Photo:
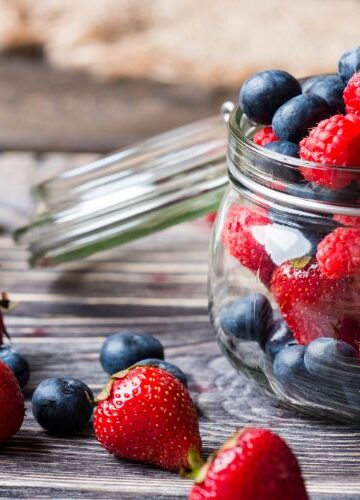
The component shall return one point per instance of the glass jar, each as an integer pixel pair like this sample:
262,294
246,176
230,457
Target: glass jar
284,312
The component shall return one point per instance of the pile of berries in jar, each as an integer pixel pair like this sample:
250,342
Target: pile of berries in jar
301,140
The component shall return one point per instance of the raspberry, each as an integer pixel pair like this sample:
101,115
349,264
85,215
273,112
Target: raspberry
338,254
264,136
352,95
314,305
334,141
347,220
241,244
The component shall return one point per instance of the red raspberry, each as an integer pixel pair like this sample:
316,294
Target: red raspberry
315,306
334,141
348,220
240,243
338,254
352,95
264,136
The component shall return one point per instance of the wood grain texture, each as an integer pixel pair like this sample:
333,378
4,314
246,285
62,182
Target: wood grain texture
157,285
43,109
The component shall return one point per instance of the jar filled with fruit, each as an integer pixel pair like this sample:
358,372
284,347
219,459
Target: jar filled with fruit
284,285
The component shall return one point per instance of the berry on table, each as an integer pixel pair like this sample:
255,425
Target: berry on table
12,408
331,89
165,365
334,141
254,464
293,120
62,405
286,148
121,350
352,95
349,63
17,363
338,253
264,136
265,91
239,241
146,415
248,318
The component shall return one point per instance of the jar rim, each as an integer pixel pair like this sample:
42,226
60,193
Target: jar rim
256,170
237,116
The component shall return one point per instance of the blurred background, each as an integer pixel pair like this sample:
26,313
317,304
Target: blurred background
90,76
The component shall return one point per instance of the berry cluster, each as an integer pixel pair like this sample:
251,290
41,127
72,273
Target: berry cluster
146,414
310,265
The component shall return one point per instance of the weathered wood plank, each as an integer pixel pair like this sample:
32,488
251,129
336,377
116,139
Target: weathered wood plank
44,109
63,338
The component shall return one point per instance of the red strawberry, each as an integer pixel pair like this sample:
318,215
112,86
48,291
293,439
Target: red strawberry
238,239
254,464
12,407
147,415
314,305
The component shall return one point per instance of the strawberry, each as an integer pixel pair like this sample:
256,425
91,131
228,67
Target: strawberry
146,415
12,407
314,305
254,464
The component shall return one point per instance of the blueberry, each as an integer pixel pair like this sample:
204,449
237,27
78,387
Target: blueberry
249,318
307,83
121,350
286,148
331,89
281,336
275,167
289,367
17,363
313,191
264,92
293,119
168,367
349,64
62,405
330,358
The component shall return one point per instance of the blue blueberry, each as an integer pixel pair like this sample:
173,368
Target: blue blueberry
275,167
349,64
249,318
313,191
264,92
329,357
289,367
121,350
293,119
62,405
280,337
307,83
286,148
168,367
17,363
331,89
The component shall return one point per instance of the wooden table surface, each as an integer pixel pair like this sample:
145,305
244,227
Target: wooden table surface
156,285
